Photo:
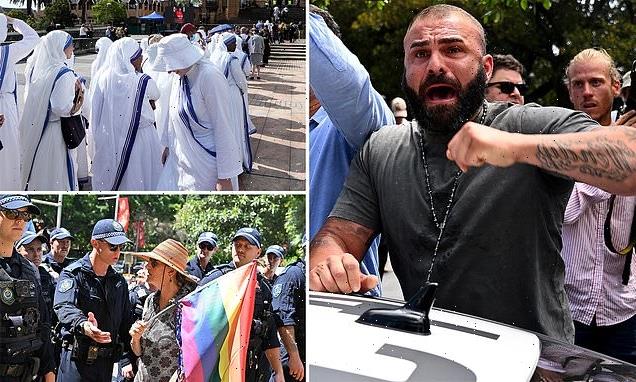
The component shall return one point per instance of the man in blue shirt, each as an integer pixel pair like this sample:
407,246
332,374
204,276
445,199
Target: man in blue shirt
344,110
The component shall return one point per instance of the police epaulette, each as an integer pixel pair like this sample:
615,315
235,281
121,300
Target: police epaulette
74,267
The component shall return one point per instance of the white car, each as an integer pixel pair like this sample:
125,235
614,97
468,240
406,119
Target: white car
459,347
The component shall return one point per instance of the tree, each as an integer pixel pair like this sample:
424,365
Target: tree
58,12
109,12
543,35
279,218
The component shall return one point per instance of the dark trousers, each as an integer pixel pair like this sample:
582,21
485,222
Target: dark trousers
618,341
71,371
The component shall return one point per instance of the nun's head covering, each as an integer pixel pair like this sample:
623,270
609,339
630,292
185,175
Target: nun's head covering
176,52
3,27
121,55
229,38
47,55
101,46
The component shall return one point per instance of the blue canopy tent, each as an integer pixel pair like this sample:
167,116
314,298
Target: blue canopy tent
154,16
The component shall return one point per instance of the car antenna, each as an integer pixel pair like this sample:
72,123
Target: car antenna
412,317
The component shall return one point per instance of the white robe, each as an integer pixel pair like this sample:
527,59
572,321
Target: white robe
238,109
197,169
52,165
9,133
125,159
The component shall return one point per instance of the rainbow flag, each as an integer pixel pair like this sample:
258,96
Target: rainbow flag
215,325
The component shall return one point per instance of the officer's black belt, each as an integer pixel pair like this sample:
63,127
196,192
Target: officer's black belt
12,370
15,332
101,352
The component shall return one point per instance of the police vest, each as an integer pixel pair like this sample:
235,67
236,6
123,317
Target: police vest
19,315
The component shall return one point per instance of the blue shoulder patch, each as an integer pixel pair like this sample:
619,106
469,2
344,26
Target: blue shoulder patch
65,285
278,288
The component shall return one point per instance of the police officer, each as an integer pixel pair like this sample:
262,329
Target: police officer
139,293
288,304
30,246
56,260
275,255
201,265
246,247
93,306
25,348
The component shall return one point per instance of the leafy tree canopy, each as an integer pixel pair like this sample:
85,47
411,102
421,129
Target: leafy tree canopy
109,12
280,219
544,35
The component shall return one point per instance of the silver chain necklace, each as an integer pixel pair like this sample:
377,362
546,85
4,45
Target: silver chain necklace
450,200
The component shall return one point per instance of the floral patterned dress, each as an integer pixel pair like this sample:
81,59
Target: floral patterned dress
160,349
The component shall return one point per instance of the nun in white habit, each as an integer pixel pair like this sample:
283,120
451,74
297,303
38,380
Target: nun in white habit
46,163
229,64
9,133
164,83
97,67
246,65
127,150
205,147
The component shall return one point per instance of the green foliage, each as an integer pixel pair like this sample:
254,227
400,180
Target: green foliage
279,218
59,12
109,12
17,13
531,30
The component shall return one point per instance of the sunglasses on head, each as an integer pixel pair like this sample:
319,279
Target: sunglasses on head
15,214
508,87
114,247
207,246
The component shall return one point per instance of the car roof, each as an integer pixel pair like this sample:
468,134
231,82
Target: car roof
459,348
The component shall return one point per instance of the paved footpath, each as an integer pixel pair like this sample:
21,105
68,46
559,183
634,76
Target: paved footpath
277,108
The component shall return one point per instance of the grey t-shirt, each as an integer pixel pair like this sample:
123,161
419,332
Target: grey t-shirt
499,257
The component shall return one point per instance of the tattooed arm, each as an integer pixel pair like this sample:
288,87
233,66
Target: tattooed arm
334,257
605,157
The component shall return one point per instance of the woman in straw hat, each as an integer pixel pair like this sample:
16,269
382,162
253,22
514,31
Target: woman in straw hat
153,338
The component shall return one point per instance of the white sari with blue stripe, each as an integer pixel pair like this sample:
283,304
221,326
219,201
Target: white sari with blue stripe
204,145
9,133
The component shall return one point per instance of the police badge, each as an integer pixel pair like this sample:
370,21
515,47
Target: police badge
7,296
117,226
277,289
65,285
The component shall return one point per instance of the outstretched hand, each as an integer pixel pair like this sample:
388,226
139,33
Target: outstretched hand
91,330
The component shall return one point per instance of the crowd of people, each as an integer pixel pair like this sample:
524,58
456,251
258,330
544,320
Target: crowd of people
477,184
81,320
155,116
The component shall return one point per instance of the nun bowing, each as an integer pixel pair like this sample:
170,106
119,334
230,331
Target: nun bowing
205,148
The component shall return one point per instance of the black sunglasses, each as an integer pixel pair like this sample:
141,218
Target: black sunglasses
15,214
508,87
114,247
209,247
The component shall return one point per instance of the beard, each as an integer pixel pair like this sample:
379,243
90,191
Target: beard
446,119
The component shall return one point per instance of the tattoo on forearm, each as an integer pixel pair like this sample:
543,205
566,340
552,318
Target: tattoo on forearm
605,158
351,237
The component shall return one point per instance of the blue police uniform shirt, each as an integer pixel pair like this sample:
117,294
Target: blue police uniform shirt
20,268
351,109
194,268
288,303
57,267
79,291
